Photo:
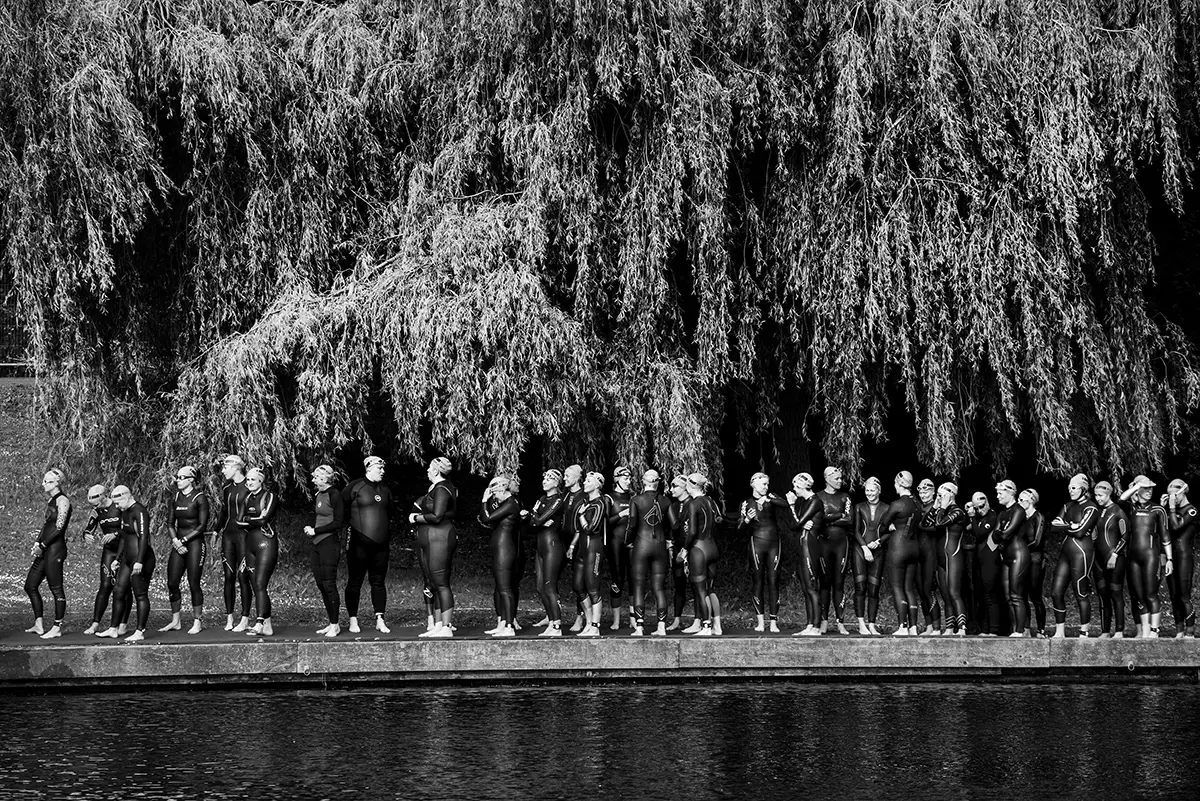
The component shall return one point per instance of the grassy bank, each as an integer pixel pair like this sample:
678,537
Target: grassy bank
22,449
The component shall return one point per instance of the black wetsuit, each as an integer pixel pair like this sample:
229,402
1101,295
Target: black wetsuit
903,557
1014,564
570,510
927,564
591,531
103,522
618,547
1112,532
1148,533
1075,558
262,546
679,581
546,521
1035,535
503,517
949,525
700,523
330,518
369,505
807,510
233,546
988,562
134,548
189,516
437,537
868,576
768,516
48,564
834,551
649,520
1182,522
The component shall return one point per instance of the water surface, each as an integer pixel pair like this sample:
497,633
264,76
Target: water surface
693,741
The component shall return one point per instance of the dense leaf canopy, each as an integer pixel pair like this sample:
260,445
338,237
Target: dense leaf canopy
598,224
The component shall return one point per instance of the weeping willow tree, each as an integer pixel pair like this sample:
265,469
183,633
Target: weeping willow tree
599,224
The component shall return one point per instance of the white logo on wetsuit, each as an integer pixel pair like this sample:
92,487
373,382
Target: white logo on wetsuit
653,516
378,499
320,504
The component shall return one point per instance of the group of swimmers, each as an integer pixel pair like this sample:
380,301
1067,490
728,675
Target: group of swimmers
985,564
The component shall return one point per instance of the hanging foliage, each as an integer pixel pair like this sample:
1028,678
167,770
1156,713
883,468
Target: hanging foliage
260,227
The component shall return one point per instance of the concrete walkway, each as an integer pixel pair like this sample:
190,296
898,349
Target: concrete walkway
298,657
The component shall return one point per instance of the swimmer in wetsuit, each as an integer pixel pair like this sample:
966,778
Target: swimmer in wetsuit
902,555
1035,536
808,518
679,497
617,549
325,534
981,519
501,512
575,497
927,554
700,522
652,552
262,546
868,557
591,532
103,528
762,514
949,523
49,553
368,503
1182,520
1077,522
133,564
437,537
1109,567
1148,537
189,521
546,522
233,541
834,548
1009,536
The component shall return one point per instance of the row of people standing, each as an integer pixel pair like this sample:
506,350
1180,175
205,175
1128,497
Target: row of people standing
120,526
985,564
982,563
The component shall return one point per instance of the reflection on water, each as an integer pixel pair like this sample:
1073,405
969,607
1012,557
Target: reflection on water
608,742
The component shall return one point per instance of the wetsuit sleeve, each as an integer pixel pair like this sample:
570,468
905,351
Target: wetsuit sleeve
141,524
950,516
612,511
506,509
589,518
1120,530
62,515
814,511
552,510
337,508
441,506
1015,521
1181,518
859,527
201,519
885,522
691,525
833,518
1039,532
266,512
1164,530
1062,515
1085,525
